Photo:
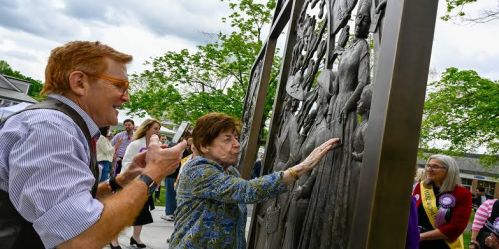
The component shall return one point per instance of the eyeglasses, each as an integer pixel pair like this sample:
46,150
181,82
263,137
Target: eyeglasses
434,166
122,84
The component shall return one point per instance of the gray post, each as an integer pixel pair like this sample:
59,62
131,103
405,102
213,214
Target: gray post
393,134
252,148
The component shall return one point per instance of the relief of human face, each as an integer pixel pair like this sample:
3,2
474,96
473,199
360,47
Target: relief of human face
364,104
362,24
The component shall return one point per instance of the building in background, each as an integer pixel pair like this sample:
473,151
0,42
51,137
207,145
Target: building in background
14,91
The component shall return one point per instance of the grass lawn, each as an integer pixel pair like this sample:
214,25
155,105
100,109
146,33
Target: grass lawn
467,234
466,238
161,201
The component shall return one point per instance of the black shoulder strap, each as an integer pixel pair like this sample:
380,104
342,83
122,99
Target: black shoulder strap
54,104
494,213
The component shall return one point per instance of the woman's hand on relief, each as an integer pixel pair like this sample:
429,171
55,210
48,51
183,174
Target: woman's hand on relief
318,153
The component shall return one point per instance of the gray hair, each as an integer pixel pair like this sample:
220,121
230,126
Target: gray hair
420,174
452,177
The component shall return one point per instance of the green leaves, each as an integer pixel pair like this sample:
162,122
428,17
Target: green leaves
463,109
455,8
187,84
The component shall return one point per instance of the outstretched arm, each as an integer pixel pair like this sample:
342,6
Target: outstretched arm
121,208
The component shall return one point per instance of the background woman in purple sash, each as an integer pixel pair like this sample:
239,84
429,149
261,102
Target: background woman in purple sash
444,206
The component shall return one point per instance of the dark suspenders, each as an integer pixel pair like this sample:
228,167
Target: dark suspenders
15,231
55,104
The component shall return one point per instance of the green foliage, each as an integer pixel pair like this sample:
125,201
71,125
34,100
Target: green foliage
455,8
36,85
467,237
154,97
187,84
463,110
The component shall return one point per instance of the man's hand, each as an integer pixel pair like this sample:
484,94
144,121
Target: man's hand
161,161
133,170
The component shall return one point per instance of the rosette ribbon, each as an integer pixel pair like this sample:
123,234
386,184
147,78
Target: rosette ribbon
446,201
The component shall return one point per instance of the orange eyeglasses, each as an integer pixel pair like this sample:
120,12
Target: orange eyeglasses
119,83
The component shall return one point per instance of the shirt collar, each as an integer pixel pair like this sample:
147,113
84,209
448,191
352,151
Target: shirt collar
92,126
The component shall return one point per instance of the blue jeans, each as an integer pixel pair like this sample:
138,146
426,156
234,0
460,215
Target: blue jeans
170,196
106,168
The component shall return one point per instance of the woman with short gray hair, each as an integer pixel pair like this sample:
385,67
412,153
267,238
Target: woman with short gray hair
444,206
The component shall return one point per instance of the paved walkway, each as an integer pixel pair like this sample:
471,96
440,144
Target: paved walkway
154,235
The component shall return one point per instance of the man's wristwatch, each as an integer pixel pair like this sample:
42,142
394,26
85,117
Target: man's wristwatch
113,184
151,184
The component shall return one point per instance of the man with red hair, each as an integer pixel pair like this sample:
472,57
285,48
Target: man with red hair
49,191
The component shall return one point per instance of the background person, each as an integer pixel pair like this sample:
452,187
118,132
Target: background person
186,159
170,193
480,197
412,237
105,153
444,206
488,237
211,195
163,139
483,213
121,142
141,140
47,174
420,175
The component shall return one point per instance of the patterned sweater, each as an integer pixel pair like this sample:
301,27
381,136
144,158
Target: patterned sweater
211,210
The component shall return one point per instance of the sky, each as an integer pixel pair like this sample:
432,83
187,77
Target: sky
467,45
29,29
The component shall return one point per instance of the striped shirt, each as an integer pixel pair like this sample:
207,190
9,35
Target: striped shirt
44,166
482,214
125,141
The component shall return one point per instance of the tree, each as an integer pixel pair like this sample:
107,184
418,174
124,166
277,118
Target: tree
463,109
36,85
187,84
455,8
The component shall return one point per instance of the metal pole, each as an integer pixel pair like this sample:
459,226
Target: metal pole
383,200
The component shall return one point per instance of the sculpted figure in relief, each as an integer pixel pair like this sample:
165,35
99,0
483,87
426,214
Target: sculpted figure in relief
329,211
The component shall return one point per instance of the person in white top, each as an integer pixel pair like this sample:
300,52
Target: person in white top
105,153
